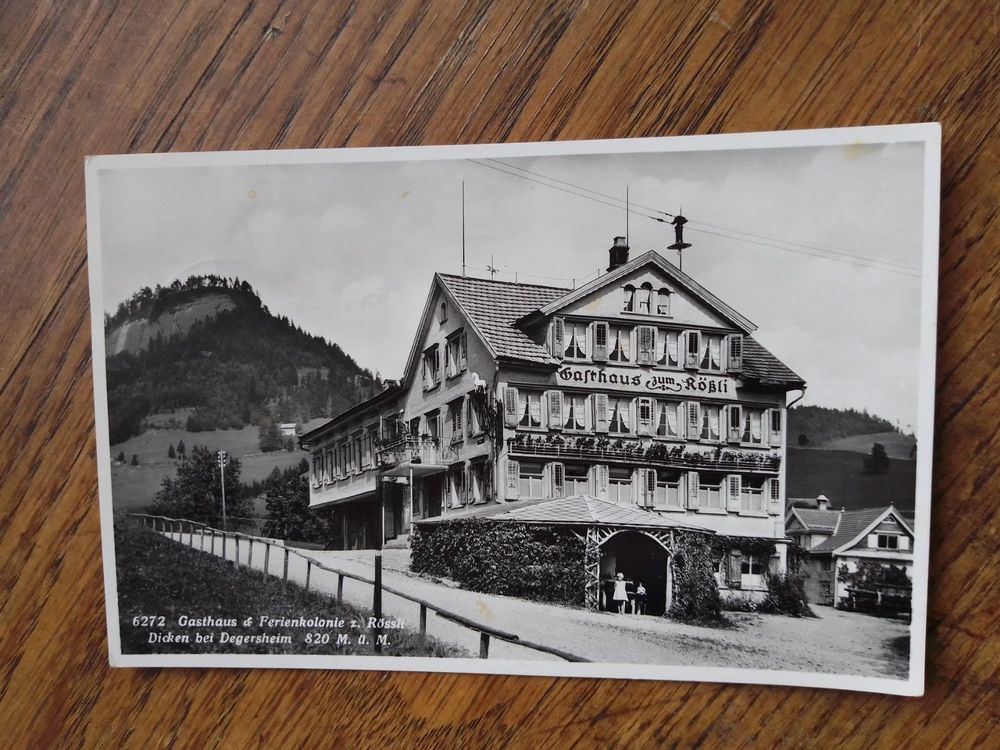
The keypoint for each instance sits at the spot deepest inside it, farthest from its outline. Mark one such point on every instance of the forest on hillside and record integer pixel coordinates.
(819, 424)
(241, 366)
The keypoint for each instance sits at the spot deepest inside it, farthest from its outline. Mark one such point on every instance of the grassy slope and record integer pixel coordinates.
(896, 445)
(837, 474)
(158, 577)
(135, 486)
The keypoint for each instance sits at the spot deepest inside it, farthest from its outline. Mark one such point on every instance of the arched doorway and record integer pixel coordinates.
(641, 559)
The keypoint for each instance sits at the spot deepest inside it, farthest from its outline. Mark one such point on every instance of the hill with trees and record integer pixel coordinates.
(819, 425)
(209, 346)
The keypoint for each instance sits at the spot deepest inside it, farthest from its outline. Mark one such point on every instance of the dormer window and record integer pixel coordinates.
(663, 302)
(645, 295)
(628, 303)
(443, 312)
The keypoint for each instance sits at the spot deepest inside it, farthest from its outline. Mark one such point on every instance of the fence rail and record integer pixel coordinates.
(177, 526)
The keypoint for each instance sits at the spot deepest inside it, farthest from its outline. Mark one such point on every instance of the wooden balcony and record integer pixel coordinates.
(423, 455)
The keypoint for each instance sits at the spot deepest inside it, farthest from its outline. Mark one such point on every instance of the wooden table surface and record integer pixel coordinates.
(94, 77)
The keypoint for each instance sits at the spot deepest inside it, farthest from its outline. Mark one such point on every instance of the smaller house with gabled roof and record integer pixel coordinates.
(852, 555)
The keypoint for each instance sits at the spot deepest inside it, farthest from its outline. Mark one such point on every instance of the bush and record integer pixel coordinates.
(740, 603)
(495, 557)
(695, 590)
(786, 595)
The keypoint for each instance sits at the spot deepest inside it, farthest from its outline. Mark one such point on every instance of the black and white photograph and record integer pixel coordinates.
(654, 408)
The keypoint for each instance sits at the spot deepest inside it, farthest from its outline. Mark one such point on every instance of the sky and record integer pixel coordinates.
(348, 250)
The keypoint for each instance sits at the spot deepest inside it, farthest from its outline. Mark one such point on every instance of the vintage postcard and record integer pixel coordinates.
(656, 408)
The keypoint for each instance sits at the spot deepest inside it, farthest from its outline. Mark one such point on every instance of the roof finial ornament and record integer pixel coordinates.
(679, 243)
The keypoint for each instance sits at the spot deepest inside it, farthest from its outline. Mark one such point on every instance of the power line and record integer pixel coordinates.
(830, 254)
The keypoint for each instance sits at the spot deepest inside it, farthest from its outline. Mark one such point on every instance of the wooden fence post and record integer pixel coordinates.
(250, 554)
(340, 588)
(236, 540)
(377, 603)
(284, 576)
(213, 540)
(308, 572)
(484, 646)
(422, 648)
(267, 560)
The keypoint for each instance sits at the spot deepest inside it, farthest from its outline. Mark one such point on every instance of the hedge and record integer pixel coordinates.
(503, 557)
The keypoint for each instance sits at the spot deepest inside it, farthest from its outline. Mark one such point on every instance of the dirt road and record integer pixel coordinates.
(834, 642)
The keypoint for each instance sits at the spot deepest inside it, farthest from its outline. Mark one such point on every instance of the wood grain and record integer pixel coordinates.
(81, 78)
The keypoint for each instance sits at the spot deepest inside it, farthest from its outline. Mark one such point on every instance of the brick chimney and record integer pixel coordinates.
(823, 502)
(618, 254)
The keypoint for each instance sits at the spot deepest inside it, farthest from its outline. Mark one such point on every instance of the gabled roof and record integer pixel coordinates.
(855, 524)
(580, 510)
(493, 306)
(386, 395)
(821, 521)
(669, 270)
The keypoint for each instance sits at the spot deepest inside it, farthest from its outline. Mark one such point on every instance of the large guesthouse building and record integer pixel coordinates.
(631, 406)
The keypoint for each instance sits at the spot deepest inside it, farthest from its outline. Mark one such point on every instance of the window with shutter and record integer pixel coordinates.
(510, 401)
(600, 348)
(647, 345)
(555, 410)
(774, 423)
(734, 414)
(513, 479)
(648, 480)
(735, 352)
(601, 480)
(558, 480)
(463, 351)
(628, 299)
(600, 412)
(576, 341)
(693, 419)
(692, 348)
(774, 497)
(558, 338)
(733, 493)
(692, 490)
(644, 416)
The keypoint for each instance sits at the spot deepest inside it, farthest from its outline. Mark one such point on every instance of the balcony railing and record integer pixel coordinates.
(423, 450)
(653, 454)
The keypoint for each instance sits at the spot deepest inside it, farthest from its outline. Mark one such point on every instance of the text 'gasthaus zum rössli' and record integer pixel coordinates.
(309, 631)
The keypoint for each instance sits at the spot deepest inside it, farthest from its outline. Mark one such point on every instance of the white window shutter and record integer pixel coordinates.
(555, 410)
(873, 540)
(510, 415)
(600, 412)
(646, 345)
(733, 489)
(693, 420)
(736, 352)
(774, 497)
(600, 348)
(601, 481)
(692, 489)
(647, 480)
(774, 427)
(558, 480)
(904, 542)
(692, 348)
(558, 337)
(513, 479)
(644, 416)
(734, 422)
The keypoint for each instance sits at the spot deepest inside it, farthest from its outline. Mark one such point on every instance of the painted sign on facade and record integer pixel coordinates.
(626, 379)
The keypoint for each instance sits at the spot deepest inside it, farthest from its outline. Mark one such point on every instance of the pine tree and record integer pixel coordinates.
(135, 460)
(170, 452)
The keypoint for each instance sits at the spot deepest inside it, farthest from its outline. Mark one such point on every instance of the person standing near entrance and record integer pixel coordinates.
(639, 607)
(620, 595)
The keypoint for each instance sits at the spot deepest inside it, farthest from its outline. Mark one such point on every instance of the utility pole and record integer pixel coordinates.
(222, 483)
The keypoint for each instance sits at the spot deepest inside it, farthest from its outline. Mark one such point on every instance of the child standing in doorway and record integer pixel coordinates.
(620, 595)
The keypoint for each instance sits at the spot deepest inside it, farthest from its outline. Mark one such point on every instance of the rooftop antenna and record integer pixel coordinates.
(463, 227)
(492, 269)
(679, 243)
